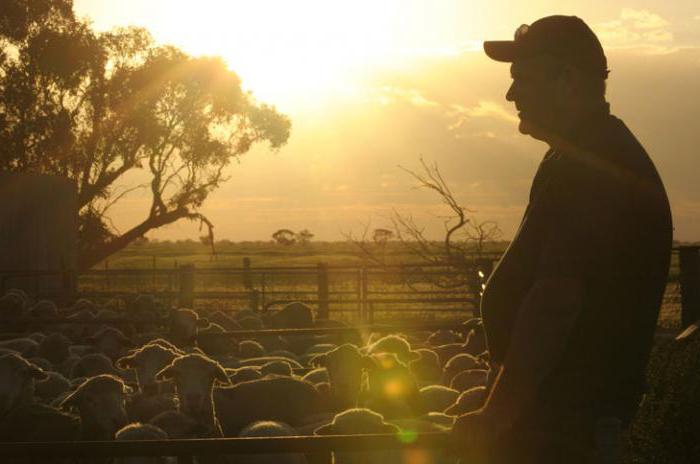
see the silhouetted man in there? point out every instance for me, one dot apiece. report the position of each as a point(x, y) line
point(571, 308)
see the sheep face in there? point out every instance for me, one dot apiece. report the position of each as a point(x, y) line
point(147, 362)
point(17, 381)
point(183, 326)
point(194, 377)
point(100, 401)
point(345, 366)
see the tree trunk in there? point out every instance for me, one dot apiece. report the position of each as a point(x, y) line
point(93, 256)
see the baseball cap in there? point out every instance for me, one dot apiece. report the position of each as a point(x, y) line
point(567, 38)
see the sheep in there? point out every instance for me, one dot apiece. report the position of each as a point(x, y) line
point(269, 429)
point(92, 364)
point(17, 377)
point(12, 306)
point(317, 376)
point(266, 359)
point(100, 403)
point(52, 387)
point(41, 362)
point(142, 407)
point(251, 323)
point(55, 347)
point(147, 361)
point(37, 336)
point(295, 315)
point(184, 324)
point(139, 431)
point(458, 363)
point(276, 398)
point(277, 368)
point(443, 337)
point(44, 309)
point(110, 341)
point(178, 425)
point(392, 389)
point(227, 322)
point(215, 345)
point(468, 379)
point(35, 422)
point(396, 345)
point(24, 346)
point(474, 344)
point(426, 369)
point(243, 374)
point(344, 366)
point(195, 376)
point(468, 401)
point(250, 349)
point(361, 421)
point(437, 398)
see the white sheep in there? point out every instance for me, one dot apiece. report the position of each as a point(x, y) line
point(344, 365)
point(184, 325)
point(138, 431)
point(458, 363)
point(361, 421)
point(392, 389)
point(396, 345)
point(468, 379)
point(147, 361)
point(100, 402)
point(17, 377)
point(269, 429)
point(427, 368)
point(437, 398)
point(194, 376)
point(468, 401)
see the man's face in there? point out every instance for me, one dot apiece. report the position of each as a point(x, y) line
point(538, 96)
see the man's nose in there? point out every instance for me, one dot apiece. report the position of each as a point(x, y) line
point(510, 94)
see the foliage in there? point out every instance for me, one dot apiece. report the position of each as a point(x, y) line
point(466, 239)
point(304, 236)
point(284, 237)
point(106, 108)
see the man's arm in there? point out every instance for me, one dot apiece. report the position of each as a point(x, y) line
point(544, 322)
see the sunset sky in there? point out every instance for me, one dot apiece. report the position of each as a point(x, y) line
point(373, 84)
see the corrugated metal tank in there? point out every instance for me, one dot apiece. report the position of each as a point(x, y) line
point(38, 229)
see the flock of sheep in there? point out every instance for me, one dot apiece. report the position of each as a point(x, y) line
point(161, 377)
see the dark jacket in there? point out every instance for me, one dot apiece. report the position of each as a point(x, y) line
point(598, 212)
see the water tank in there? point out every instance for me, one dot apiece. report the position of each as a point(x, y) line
point(38, 230)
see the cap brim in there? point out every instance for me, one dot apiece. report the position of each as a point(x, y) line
point(500, 50)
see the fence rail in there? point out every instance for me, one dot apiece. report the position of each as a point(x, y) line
point(218, 446)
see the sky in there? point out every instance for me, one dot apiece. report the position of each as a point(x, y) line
point(373, 85)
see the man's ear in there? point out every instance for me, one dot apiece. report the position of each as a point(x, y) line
point(166, 373)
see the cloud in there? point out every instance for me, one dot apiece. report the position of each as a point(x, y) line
point(387, 95)
point(636, 29)
point(484, 109)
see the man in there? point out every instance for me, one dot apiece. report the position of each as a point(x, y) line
point(571, 308)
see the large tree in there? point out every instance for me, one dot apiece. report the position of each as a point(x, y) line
point(105, 108)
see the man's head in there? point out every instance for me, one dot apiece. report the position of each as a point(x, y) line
point(559, 71)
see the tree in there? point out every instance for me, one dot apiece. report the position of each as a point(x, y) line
point(304, 236)
point(284, 237)
point(103, 109)
point(462, 247)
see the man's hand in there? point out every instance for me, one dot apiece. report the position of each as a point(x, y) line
point(473, 435)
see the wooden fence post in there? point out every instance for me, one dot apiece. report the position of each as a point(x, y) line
point(247, 279)
point(689, 264)
point(323, 308)
point(186, 278)
point(363, 282)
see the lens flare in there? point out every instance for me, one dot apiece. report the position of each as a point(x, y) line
point(407, 436)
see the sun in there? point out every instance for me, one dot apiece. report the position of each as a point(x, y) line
point(286, 49)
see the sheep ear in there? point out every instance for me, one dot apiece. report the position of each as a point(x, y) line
point(71, 400)
point(166, 373)
point(220, 375)
point(127, 362)
point(318, 361)
point(324, 430)
point(36, 372)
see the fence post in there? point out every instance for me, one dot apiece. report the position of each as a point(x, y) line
point(186, 278)
point(363, 282)
point(323, 308)
point(247, 279)
point(689, 264)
